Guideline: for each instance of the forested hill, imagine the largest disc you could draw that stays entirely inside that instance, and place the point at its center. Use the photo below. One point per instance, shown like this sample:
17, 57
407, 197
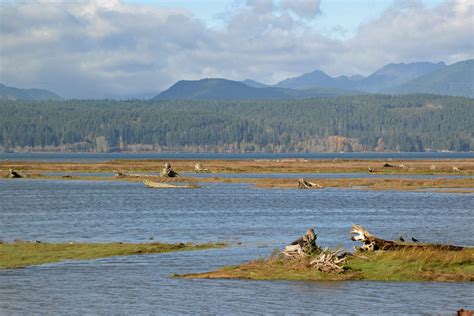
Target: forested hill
356, 123
12, 93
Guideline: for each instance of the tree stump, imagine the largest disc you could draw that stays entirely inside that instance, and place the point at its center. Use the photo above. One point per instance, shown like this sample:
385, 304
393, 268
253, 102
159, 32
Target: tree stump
168, 171
118, 174
13, 174
303, 246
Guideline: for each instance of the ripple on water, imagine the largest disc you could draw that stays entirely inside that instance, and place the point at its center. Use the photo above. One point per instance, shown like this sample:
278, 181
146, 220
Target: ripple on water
261, 219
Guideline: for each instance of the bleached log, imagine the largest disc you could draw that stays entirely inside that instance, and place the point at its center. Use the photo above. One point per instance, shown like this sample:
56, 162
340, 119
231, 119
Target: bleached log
199, 169
159, 185
372, 243
304, 184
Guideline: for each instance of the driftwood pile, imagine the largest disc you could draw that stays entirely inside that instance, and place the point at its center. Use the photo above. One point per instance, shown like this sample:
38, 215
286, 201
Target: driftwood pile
199, 169
331, 261
372, 243
325, 261
304, 184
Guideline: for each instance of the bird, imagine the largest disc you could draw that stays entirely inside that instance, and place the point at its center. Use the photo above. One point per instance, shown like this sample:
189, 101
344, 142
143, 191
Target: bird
401, 239
413, 239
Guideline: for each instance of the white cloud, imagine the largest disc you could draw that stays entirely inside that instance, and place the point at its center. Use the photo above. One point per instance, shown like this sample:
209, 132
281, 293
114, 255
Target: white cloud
104, 48
304, 8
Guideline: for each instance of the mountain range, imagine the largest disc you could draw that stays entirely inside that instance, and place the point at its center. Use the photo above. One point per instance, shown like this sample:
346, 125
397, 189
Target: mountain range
424, 77
12, 93
419, 77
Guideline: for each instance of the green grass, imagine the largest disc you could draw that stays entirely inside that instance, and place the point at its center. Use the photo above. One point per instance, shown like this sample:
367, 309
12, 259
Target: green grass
406, 265
22, 254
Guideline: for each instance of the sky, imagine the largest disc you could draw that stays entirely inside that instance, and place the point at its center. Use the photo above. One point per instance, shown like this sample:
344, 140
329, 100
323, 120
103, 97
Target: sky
137, 48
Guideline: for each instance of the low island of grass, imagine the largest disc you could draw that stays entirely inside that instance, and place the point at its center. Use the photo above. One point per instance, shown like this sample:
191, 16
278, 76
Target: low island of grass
22, 254
403, 265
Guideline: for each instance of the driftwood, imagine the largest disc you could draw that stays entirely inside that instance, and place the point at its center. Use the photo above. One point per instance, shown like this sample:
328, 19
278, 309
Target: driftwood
199, 169
119, 174
303, 246
159, 185
332, 261
13, 174
372, 243
303, 184
168, 171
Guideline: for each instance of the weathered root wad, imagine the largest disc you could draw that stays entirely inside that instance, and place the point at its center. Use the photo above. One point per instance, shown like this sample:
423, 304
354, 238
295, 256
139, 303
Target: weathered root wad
13, 174
304, 184
168, 171
303, 246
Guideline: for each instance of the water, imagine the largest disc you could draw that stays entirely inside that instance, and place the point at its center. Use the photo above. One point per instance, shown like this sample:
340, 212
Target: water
97, 157
261, 219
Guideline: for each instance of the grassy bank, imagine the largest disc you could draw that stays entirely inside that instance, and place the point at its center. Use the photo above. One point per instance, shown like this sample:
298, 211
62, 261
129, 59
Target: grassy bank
406, 265
22, 254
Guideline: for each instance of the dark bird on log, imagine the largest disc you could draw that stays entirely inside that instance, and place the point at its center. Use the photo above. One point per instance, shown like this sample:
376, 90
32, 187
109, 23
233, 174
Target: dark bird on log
414, 240
401, 239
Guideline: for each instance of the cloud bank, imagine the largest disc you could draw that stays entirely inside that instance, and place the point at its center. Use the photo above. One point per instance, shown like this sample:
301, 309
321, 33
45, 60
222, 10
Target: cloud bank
108, 49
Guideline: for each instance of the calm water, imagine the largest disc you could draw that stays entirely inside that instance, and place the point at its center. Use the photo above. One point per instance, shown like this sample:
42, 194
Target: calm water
261, 219
94, 157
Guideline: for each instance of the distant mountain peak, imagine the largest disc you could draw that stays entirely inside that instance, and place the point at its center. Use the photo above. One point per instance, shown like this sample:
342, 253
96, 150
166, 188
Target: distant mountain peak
254, 84
222, 89
13, 93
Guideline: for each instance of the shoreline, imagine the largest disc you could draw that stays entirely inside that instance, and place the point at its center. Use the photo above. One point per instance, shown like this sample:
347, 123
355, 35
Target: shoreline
398, 266
22, 254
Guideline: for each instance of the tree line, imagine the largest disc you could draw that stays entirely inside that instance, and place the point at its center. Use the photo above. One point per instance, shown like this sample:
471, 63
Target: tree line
415, 122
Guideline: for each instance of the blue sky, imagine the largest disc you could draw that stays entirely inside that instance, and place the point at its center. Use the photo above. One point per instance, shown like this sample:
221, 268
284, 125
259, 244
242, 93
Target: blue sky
135, 48
348, 14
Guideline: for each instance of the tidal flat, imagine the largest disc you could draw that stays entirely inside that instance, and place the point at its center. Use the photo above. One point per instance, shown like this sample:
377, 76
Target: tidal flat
448, 176
21, 254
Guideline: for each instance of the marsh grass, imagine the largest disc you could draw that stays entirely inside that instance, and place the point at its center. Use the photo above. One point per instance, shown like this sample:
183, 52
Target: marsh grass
22, 254
443, 166
404, 265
